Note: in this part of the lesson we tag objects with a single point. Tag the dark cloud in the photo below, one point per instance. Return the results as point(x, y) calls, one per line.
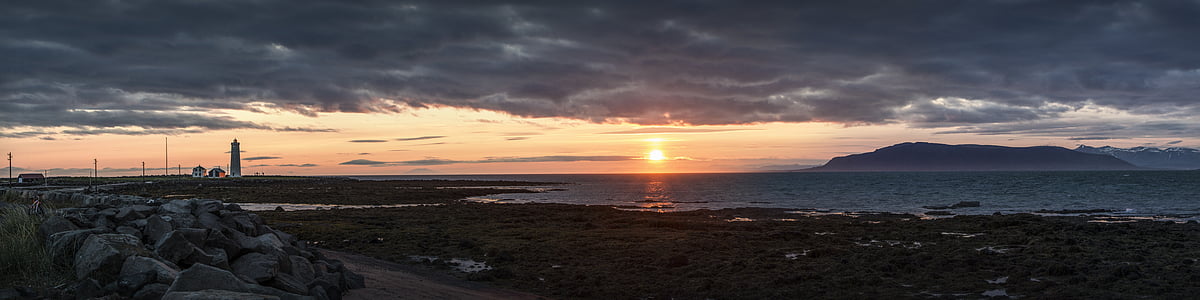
point(516, 138)
point(428, 137)
point(261, 157)
point(298, 165)
point(1095, 138)
point(437, 161)
point(167, 65)
point(368, 141)
point(654, 130)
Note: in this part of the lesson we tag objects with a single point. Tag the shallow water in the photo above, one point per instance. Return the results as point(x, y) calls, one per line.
point(1125, 193)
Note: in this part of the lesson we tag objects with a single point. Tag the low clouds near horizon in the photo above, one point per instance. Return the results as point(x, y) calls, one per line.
point(437, 161)
point(154, 67)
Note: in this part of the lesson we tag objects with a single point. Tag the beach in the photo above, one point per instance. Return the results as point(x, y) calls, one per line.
point(599, 251)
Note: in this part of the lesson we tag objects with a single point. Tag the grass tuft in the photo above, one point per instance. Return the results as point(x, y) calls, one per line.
point(24, 259)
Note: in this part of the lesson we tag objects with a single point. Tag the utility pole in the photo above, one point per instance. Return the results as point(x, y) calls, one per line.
point(143, 169)
point(95, 170)
point(179, 169)
point(166, 156)
point(10, 167)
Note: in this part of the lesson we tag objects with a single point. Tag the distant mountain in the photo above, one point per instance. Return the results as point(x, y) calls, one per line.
point(942, 157)
point(1150, 157)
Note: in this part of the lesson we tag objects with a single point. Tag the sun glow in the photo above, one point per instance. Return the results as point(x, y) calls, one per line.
point(656, 155)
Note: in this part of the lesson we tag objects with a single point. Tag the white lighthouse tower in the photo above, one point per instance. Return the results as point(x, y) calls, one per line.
point(235, 159)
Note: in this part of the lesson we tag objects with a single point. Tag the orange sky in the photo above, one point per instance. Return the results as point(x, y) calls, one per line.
point(455, 141)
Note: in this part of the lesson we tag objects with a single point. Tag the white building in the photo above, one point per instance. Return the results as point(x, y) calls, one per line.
point(198, 171)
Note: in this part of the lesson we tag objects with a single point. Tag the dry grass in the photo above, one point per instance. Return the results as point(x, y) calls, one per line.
point(24, 260)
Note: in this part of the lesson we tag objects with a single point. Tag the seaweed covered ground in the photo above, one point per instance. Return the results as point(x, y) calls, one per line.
point(317, 190)
point(571, 251)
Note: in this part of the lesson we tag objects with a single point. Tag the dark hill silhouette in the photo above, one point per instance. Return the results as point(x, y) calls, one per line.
point(941, 157)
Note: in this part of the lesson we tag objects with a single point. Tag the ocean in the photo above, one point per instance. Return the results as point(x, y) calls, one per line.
point(1130, 193)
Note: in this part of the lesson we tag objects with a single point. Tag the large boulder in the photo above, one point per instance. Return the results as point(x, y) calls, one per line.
point(240, 221)
point(181, 206)
point(181, 220)
point(128, 213)
point(216, 294)
point(216, 239)
point(288, 283)
point(54, 225)
point(302, 268)
point(63, 245)
point(156, 228)
point(153, 291)
point(102, 255)
point(206, 206)
point(210, 221)
point(201, 277)
point(256, 266)
point(164, 272)
point(174, 247)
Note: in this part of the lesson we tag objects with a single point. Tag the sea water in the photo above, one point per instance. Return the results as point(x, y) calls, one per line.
point(1133, 193)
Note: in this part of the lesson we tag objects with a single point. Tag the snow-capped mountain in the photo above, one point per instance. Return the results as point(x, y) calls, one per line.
point(1150, 157)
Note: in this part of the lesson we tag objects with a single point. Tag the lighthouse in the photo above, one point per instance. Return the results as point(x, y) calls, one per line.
point(235, 159)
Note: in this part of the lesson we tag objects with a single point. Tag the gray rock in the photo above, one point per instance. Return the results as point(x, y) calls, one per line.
point(126, 214)
point(256, 266)
point(270, 242)
point(54, 225)
point(233, 207)
point(351, 281)
point(129, 230)
point(216, 239)
point(286, 238)
point(220, 258)
point(246, 243)
point(153, 291)
point(302, 268)
point(88, 288)
point(139, 223)
point(318, 293)
point(199, 256)
point(210, 221)
point(145, 210)
point(102, 255)
point(288, 283)
point(174, 247)
point(9, 293)
point(194, 235)
point(206, 206)
point(241, 222)
point(181, 220)
point(109, 212)
point(201, 277)
point(104, 222)
point(157, 228)
point(332, 291)
point(216, 294)
point(63, 245)
point(164, 272)
point(181, 206)
point(127, 285)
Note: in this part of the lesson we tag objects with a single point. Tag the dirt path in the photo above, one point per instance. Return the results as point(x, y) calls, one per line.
point(388, 280)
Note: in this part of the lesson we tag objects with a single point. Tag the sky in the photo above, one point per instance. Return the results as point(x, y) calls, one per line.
point(484, 87)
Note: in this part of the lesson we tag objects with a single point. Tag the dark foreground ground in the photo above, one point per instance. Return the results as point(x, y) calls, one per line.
point(597, 252)
point(314, 190)
point(566, 251)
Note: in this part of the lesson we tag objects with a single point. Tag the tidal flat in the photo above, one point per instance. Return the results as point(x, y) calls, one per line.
point(571, 251)
point(588, 252)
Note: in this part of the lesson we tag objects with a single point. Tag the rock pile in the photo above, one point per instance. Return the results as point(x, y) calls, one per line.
point(142, 248)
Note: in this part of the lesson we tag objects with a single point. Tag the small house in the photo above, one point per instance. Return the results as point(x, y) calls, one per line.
point(198, 171)
point(216, 172)
point(31, 178)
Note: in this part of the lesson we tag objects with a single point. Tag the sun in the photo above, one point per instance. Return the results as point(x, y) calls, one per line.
point(656, 155)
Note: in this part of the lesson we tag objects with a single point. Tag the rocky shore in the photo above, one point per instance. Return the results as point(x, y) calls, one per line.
point(146, 248)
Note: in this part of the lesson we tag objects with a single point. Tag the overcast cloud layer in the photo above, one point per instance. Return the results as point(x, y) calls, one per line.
point(160, 65)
